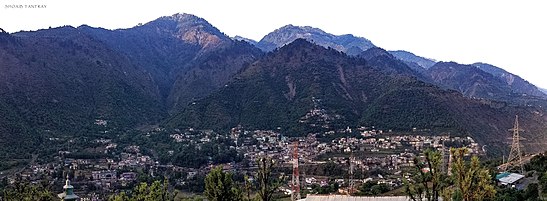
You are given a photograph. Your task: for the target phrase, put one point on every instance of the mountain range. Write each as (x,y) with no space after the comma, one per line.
(503,86)
(185,55)
(181,71)
(302,85)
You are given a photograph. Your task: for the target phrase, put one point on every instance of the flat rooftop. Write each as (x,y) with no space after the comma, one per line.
(508,178)
(354,198)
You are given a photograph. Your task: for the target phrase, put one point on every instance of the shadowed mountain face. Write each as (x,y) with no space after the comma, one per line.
(291,85)
(468,80)
(502,85)
(490,83)
(346,43)
(384,61)
(185,55)
(65,66)
(475,81)
(60,80)
(516,83)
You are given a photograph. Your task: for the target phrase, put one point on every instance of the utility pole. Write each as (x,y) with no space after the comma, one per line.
(295,174)
(449,168)
(444,161)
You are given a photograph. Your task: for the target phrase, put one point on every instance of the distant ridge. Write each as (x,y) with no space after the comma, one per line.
(241,38)
(474,82)
(410,58)
(516,83)
(347,43)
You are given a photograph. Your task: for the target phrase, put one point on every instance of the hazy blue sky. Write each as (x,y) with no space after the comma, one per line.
(508,34)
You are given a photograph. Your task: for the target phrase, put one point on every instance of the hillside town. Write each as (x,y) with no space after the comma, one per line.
(117,167)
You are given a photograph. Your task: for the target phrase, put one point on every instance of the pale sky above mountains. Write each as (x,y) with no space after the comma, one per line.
(509,34)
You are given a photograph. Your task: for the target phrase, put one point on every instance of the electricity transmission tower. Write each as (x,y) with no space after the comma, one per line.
(515,156)
(351,176)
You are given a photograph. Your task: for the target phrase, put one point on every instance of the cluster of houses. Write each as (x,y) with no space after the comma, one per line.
(373,149)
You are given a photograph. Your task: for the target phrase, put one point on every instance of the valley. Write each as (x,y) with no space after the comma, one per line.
(173,98)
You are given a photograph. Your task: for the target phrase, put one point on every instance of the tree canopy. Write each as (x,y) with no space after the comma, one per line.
(220,187)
